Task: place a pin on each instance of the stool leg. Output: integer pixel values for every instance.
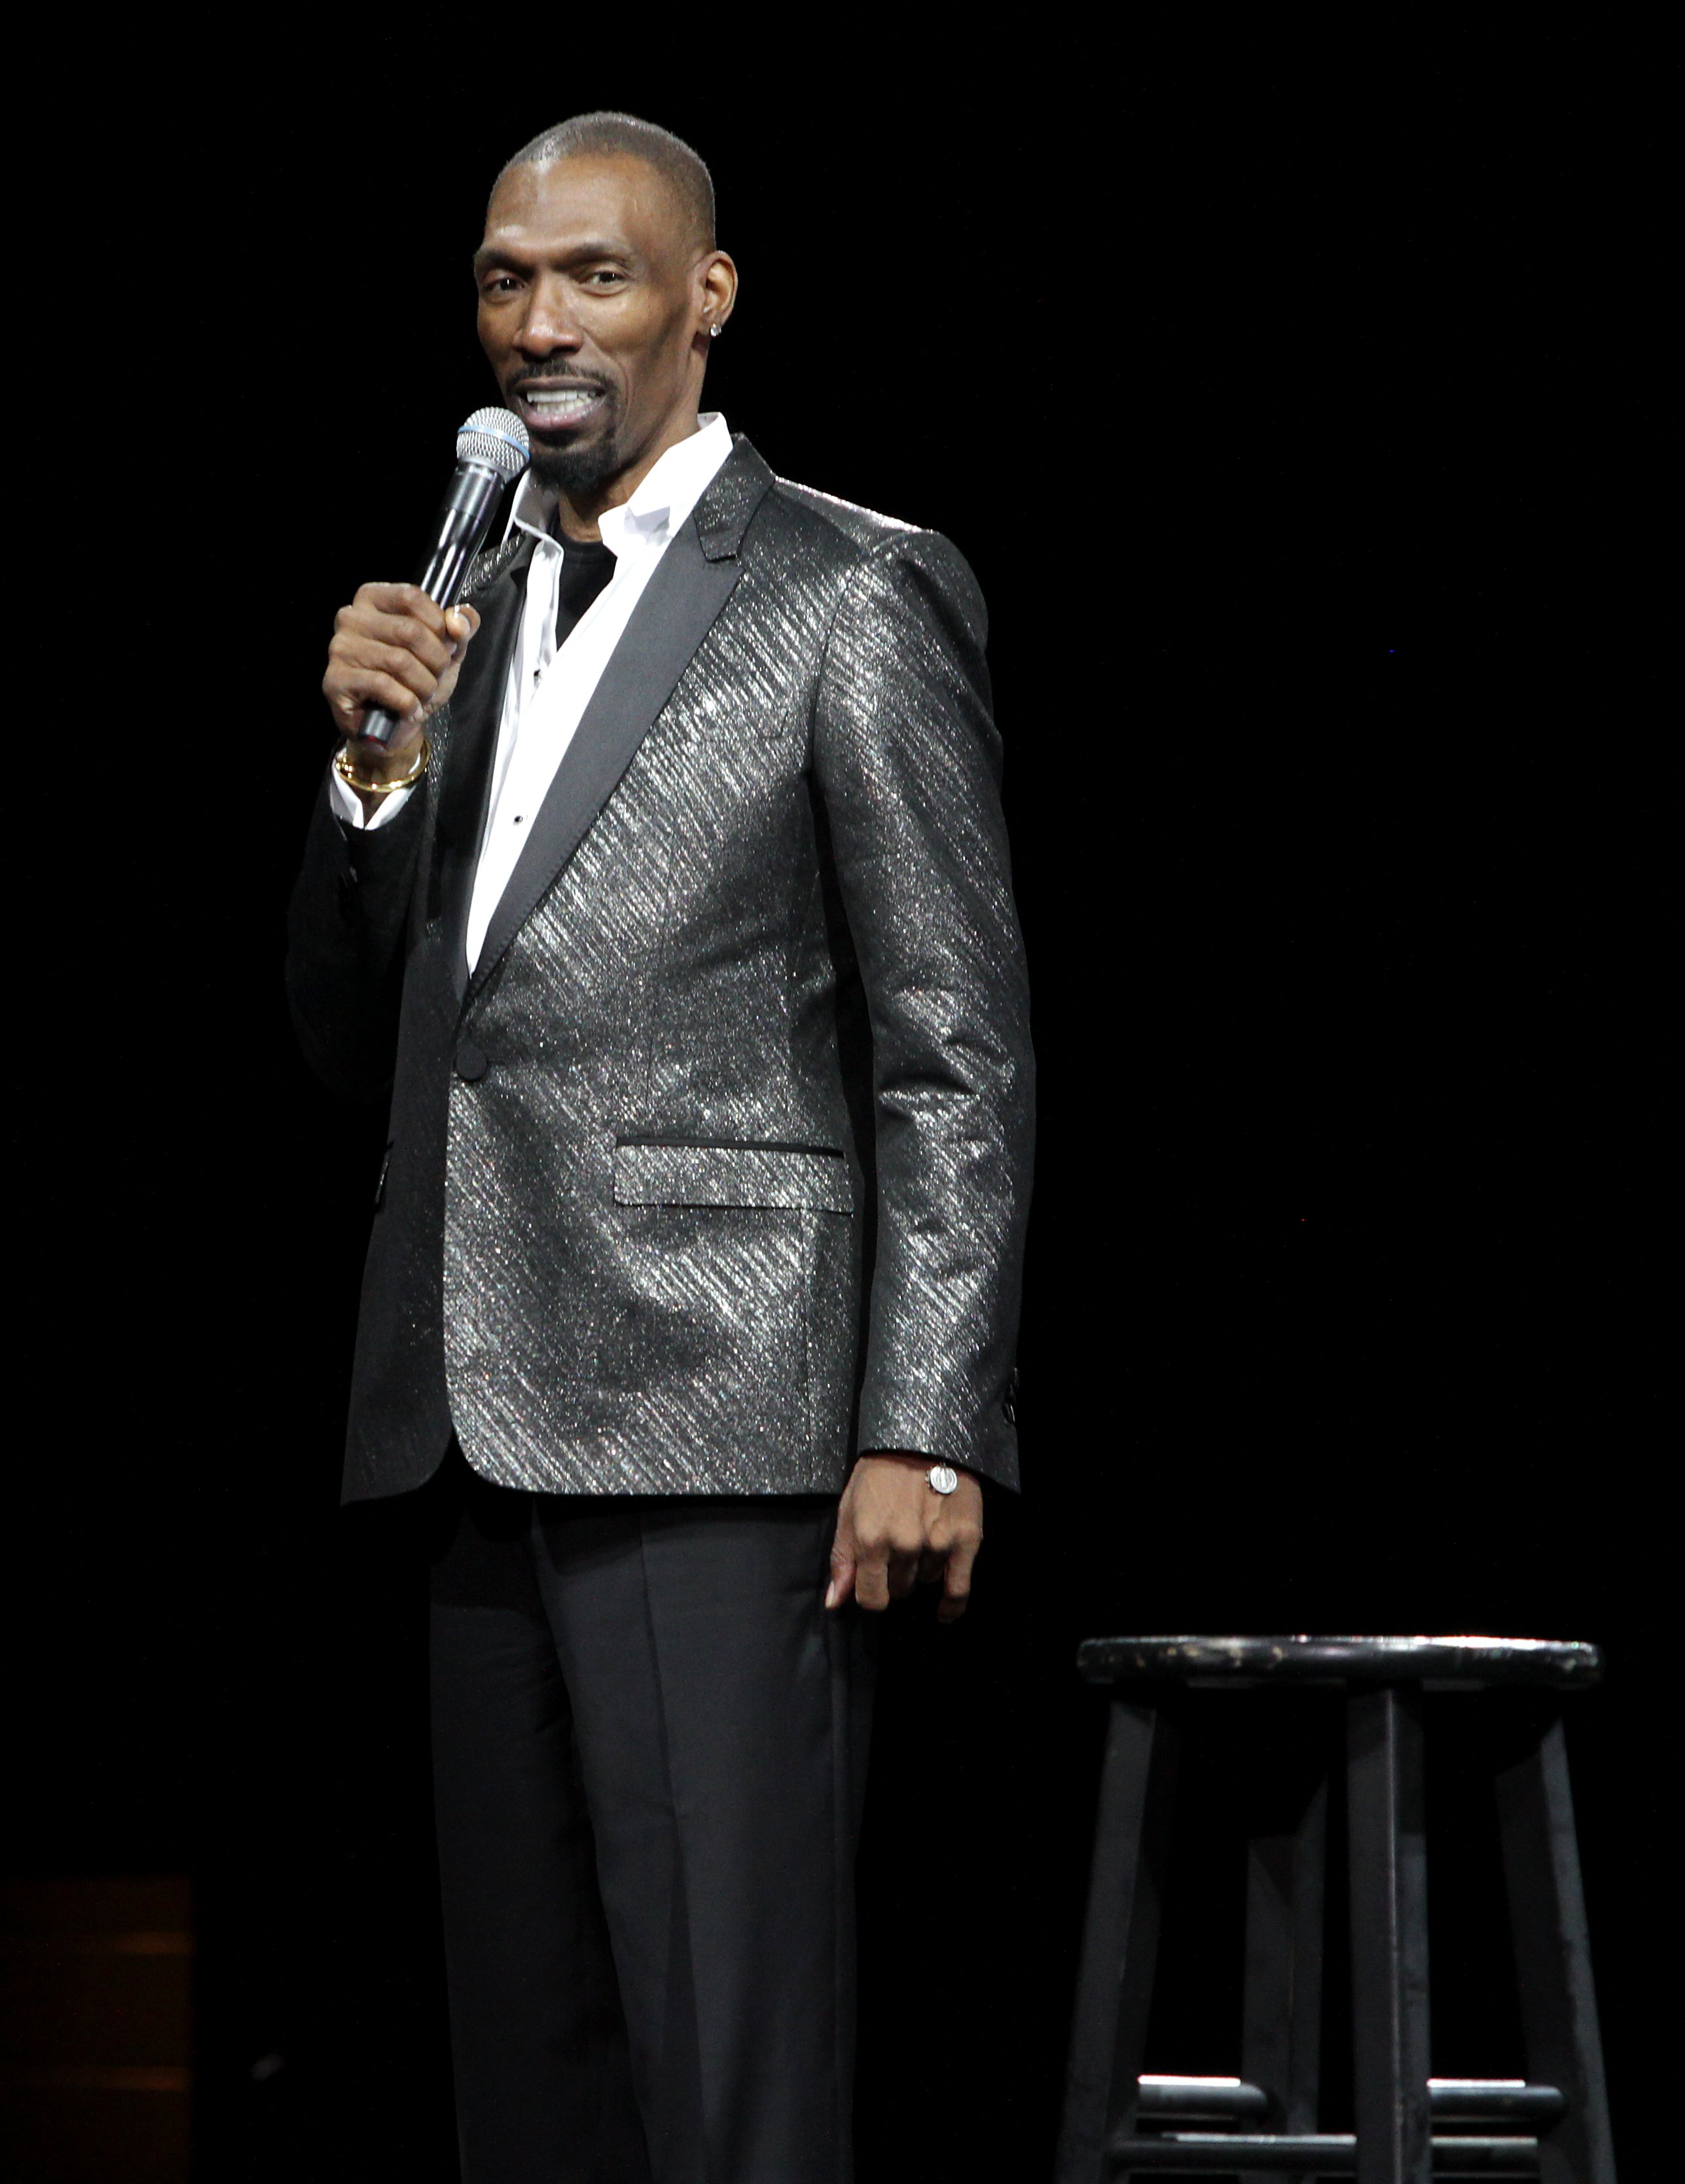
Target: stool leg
(1120, 1939)
(1553, 1958)
(1281, 2012)
(1389, 1937)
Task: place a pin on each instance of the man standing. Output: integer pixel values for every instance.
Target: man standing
(677, 919)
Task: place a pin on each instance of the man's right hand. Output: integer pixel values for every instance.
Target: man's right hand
(392, 647)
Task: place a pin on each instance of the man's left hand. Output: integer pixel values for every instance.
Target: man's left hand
(894, 1530)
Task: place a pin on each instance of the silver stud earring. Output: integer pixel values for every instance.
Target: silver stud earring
(714, 333)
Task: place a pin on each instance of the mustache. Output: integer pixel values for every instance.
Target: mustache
(536, 374)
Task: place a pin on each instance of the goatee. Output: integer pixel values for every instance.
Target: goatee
(576, 471)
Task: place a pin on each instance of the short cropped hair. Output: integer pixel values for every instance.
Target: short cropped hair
(623, 136)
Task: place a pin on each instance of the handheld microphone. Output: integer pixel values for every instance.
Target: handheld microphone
(491, 448)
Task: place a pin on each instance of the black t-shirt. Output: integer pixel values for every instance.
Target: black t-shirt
(587, 567)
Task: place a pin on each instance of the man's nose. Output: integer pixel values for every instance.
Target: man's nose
(548, 324)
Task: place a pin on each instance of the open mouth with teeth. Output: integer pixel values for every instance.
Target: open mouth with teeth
(557, 406)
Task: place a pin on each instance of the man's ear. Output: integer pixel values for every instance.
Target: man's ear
(717, 280)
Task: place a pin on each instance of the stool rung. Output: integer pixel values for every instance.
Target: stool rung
(1494, 2100)
(1312, 2153)
(1222, 2100)
(1451, 2100)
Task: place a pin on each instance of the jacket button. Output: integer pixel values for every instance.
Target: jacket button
(471, 1063)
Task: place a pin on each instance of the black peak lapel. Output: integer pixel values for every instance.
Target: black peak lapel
(465, 763)
(692, 582)
(723, 513)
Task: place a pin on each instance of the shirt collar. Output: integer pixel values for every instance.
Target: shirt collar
(662, 502)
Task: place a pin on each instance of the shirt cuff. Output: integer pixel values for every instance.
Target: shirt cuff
(347, 804)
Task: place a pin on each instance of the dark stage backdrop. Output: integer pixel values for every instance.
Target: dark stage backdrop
(1265, 390)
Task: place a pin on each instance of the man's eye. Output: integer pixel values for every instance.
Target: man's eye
(499, 284)
(605, 276)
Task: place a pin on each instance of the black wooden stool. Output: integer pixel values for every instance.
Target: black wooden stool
(1410, 2126)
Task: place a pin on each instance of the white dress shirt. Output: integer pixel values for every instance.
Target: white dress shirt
(549, 689)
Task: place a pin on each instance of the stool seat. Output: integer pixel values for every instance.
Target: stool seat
(1458, 1663)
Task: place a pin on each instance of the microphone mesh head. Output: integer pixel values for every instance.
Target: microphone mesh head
(496, 438)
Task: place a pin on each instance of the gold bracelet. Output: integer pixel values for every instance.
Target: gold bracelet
(341, 766)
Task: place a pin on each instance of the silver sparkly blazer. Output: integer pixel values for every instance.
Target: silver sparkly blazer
(716, 1170)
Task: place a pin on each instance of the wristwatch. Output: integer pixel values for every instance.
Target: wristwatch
(943, 1477)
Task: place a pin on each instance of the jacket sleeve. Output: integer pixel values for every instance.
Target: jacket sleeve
(908, 760)
(346, 936)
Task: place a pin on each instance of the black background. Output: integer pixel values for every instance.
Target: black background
(1279, 393)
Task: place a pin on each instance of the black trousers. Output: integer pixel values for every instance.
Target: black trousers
(649, 1758)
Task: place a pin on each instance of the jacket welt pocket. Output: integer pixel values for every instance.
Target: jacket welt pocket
(732, 1175)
